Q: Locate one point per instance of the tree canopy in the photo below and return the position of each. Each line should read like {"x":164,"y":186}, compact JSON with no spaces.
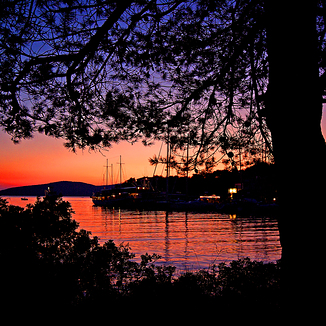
{"x":96,"y":72}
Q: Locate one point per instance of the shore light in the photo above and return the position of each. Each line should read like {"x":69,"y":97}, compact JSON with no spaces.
{"x":232,"y":191}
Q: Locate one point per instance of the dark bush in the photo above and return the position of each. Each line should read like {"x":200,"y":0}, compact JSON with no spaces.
{"x":47,"y":263}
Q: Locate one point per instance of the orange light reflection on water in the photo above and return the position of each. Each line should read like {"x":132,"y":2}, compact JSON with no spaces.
{"x":187,"y":241}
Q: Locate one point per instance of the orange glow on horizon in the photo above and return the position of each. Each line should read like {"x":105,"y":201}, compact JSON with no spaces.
{"x":44,"y":159}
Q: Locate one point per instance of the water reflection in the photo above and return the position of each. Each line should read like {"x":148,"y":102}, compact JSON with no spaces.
{"x":186,"y":240}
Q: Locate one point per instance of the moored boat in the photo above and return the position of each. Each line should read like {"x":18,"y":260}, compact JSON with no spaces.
{"x":112,"y":198}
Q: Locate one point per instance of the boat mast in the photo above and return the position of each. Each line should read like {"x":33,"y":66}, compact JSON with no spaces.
{"x":120,"y":171}
{"x":107,"y":173}
{"x":120,"y":163}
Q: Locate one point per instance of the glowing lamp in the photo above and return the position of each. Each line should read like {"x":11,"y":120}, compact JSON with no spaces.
{"x":232,"y":191}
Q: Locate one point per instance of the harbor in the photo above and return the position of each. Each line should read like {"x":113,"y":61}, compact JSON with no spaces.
{"x":244,"y":192}
{"x":187,"y":240}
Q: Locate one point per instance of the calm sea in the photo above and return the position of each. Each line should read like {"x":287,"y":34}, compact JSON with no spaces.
{"x":189,"y":241}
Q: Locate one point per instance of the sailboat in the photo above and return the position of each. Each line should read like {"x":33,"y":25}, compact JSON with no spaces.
{"x":119,"y":196}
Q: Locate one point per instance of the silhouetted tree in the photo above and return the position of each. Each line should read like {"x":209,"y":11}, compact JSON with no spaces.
{"x":293,"y":107}
{"x":95,"y":72}
{"x":216,"y":74}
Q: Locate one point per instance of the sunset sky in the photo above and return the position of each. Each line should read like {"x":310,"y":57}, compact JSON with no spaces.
{"x":44,"y":159}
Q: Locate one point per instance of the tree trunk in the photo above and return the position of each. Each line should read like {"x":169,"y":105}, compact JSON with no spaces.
{"x":293,"y":112}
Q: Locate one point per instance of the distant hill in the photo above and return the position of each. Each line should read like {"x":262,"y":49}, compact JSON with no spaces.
{"x":65,"y":188}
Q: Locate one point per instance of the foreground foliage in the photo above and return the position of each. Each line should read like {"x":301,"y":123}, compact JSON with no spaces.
{"x":47,"y":263}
